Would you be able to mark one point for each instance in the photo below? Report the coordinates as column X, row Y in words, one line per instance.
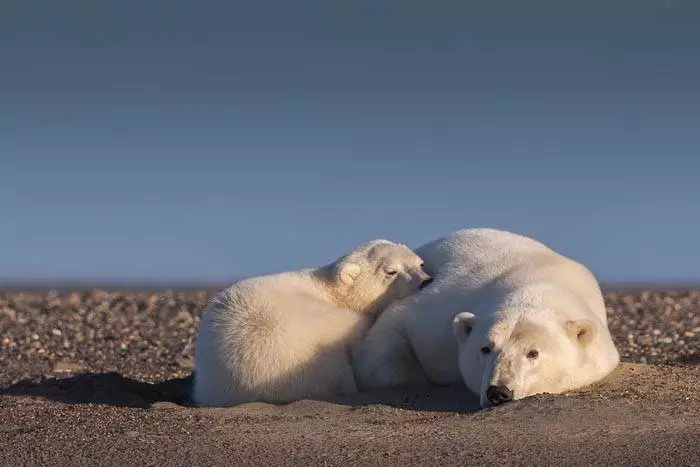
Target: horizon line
column 69, row 284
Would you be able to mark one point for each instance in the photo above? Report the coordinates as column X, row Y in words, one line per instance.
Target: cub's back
column 288, row 305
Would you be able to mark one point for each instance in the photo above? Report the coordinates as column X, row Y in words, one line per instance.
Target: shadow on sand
column 116, row 390
column 104, row 388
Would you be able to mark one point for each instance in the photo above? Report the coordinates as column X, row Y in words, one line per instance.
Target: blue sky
column 208, row 140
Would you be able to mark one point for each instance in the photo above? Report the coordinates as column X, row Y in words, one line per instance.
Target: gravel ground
column 105, row 348
column 151, row 336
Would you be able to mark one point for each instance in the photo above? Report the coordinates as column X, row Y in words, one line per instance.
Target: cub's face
column 531, row 359
column 381, row 272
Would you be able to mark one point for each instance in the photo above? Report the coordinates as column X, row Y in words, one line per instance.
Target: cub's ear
column 347, row 272
column 462, row 325
column 582, row 331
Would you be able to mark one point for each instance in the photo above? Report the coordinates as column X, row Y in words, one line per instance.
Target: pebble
column 68, row 367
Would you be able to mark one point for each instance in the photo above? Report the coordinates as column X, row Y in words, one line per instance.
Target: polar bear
column 285, row 337
column 505, row 314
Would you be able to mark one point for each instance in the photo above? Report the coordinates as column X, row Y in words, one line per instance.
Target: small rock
column 184, row 316
column 10, row 314
column 74, row 300
column 165, row 405
column 185, row 362
column 68, row 367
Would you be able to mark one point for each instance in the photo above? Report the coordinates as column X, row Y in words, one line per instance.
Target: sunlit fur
column 287, row 336
column 498, row 289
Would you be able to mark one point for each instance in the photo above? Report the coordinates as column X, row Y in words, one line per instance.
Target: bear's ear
column 582, row 331
column 462, row 325
column 347, row 272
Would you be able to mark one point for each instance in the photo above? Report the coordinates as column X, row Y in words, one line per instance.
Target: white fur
column 515, row 294
column 287, row 336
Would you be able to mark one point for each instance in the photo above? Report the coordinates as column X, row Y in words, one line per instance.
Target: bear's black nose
column 426, row 282
column 498, row 395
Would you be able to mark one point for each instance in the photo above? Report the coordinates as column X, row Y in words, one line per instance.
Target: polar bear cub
column 505, row 314
column 287, row 336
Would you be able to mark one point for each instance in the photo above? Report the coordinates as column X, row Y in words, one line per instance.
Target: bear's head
column 530, row 357
column 376, row 274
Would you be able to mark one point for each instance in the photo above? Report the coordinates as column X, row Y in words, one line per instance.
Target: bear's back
column 476, row 257
column 471, row 259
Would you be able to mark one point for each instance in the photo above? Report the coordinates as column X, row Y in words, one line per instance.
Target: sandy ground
column 99, row 378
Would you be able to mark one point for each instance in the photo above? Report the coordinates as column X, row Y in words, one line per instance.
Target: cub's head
column 378, row 273
column 501, row 365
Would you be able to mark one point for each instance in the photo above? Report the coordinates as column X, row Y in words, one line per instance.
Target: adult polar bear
column 287, row 336
column 505, row 313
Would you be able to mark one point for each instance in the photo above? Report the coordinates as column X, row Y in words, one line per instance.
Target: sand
column 63, row 406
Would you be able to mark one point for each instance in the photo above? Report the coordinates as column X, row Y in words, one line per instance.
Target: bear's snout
column 499, row 395
column 426, row 282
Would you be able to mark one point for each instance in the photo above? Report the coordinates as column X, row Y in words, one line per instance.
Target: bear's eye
column 533, row 354
column 486, row 350
column 391, row 272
